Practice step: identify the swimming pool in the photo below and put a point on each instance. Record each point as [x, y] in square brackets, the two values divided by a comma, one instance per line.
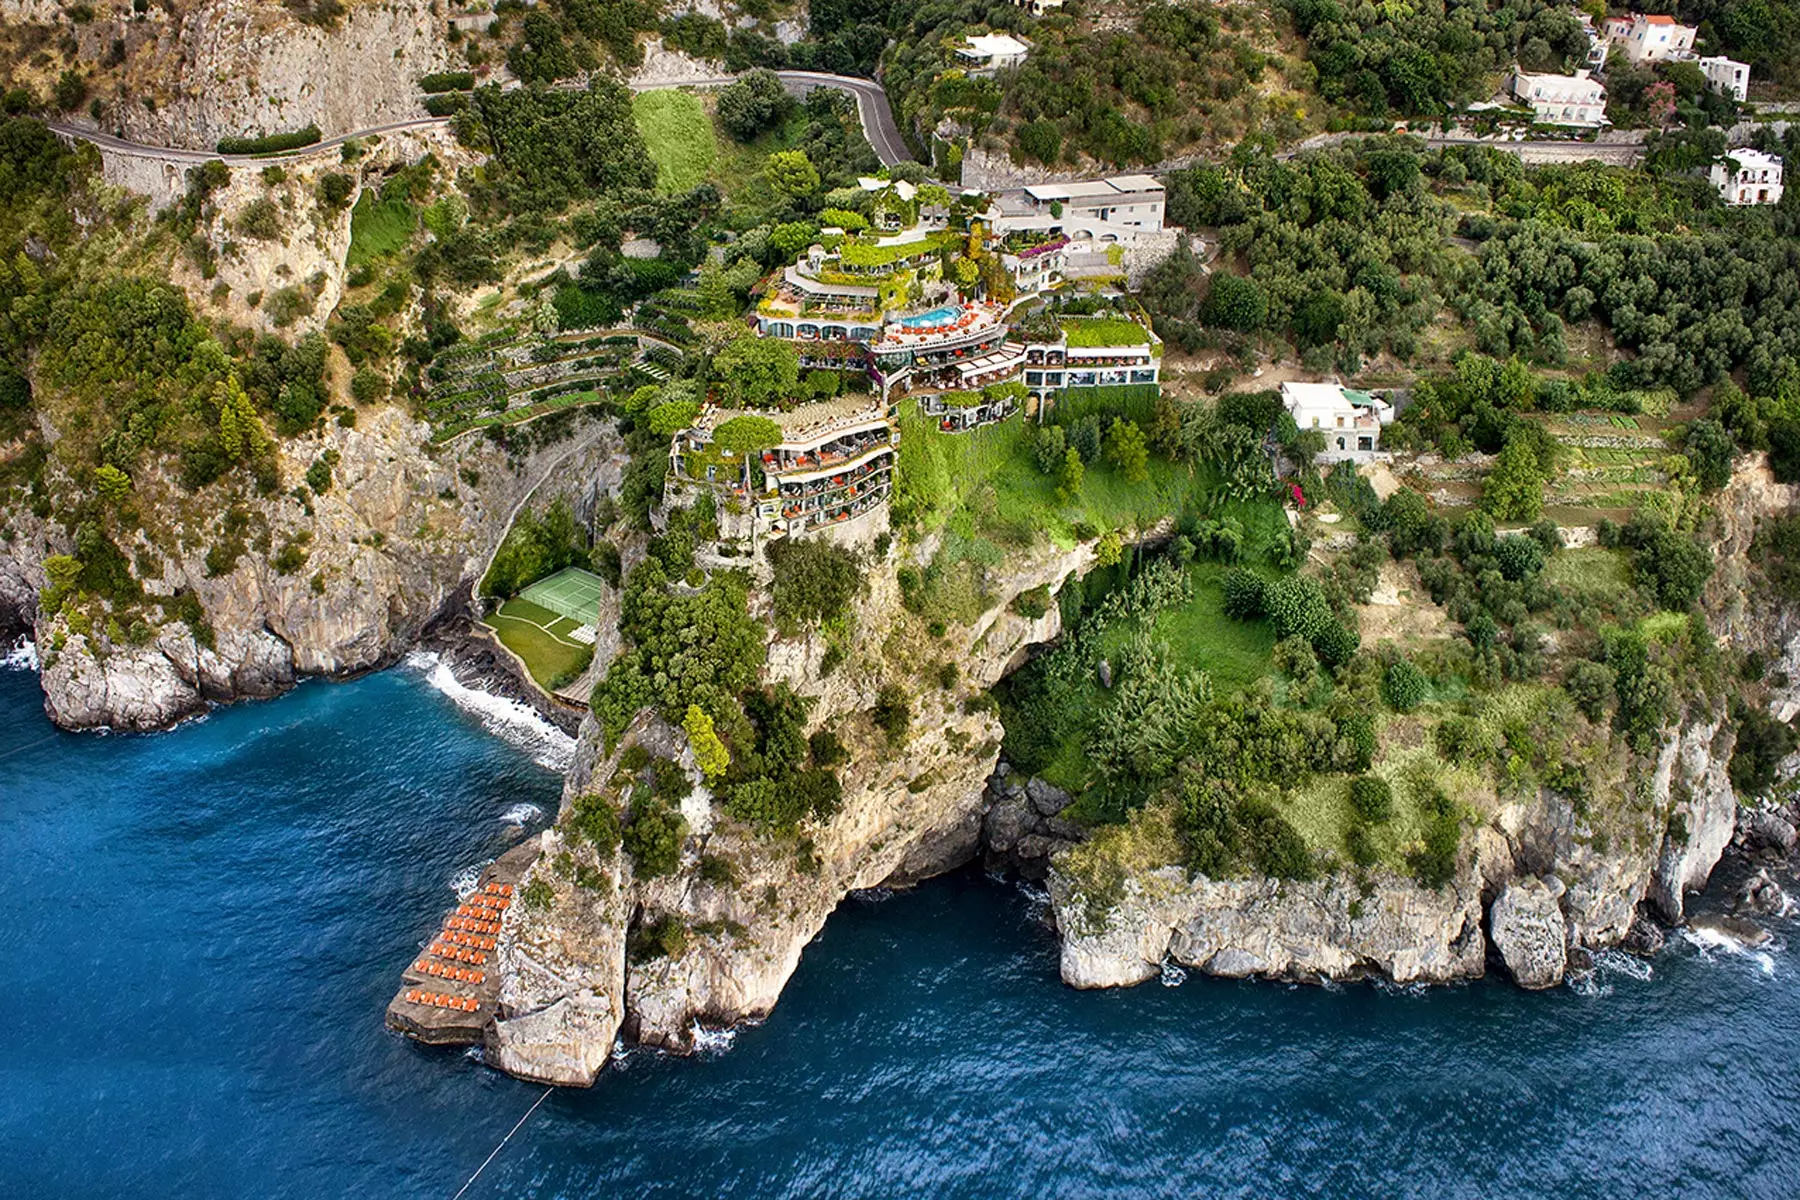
[937, 316]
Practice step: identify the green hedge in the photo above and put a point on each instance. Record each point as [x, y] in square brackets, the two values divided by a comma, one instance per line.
[273, 143]
[447, 81]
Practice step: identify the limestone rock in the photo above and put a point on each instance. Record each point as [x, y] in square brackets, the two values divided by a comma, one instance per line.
[136, 688]
[1768, 829]
[1306, 931]
[1529, 930]
[1703, 815]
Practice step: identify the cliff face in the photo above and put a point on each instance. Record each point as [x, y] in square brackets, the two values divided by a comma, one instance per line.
[908, 812]
[187, 73]
[402, 533]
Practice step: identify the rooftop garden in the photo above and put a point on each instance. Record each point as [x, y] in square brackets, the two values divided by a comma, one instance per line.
[1094, 332]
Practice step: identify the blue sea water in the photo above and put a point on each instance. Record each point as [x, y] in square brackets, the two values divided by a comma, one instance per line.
[202, 929]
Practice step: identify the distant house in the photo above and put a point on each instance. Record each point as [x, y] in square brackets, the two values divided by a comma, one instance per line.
[1350, 420]
[1576, 99]
[1039, 7]
[1748, 177]
[1652, 38]
[1727, 76]
[1124, 201]
[986, 53]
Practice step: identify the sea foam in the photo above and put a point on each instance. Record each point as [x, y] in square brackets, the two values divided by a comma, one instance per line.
[510, 720]
[22, 657]
[521, 815]
[1707, 939]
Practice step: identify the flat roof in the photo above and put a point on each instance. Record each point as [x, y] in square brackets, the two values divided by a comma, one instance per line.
[1135, 183]
[994, 45]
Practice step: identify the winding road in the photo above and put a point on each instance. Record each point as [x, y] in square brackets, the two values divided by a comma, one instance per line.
[872, 110]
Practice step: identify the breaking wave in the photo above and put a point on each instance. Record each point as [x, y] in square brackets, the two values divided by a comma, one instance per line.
[1173, 975]
[1709, 939]
[521, 815]
[23, 656]
[514, 722]
[465, 881]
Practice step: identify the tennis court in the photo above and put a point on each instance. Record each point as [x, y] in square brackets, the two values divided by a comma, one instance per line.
[571, 592]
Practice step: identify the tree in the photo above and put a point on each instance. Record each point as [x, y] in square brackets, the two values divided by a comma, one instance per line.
[1068, 483]
[653, 836]
[1710, 449]
[1514, 489]
[815, 581]
[1404, 686]
[1127, 450]
[673, 416]
[756, 101]
[1296, 607]
[710, 754]
[792, 174]
[112, 484]
[789, 238]
[1235, 303]
[759, 373]
[1673, 568]
[71, 90]
[747, 434]
[1049, 446]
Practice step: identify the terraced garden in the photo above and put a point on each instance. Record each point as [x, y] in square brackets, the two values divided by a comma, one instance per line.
[509, 377]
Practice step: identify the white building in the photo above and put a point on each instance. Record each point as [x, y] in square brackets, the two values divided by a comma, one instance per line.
[1039, 7]
[985, 53]
[1576, 99]
[1748, 177]
[1727, 76]
[1350, 420]
[1598, 45]
[1652, 38]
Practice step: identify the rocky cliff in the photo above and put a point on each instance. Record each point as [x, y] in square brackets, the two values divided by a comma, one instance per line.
[746, 905]
[336, 583]
[185, 73]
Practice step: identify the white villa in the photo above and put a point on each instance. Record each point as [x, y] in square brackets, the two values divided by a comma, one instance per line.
[1727, 76]
[1576, 99]
[1350, 420]
[1747, 177]
[1652, 38]
[1039, 7]
[985, 53]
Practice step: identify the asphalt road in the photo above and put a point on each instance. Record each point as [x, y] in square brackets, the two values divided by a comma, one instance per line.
[871, 108]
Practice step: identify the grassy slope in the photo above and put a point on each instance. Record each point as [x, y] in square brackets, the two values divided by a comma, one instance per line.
[679, 137]
[379, 227]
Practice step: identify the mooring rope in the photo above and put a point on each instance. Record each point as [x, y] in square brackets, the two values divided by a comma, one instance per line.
[490, 1158]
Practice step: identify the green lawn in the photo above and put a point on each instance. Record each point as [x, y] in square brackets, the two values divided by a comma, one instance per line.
[1590, 568]
[540, 637]
[1235, 653]
[379, 227]
[679, 137]
[992, 474]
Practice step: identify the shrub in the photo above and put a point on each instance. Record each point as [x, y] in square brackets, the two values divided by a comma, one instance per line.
[538, 894]
[596, 820]
[1360, 844]
[447, 81]
[1404, 686]
[892, 713]
[273, 143]
[653, 836]
[815, 581]
[710, 754]
[1372, 798]
[1762, 742]
[828, 750]
[1590, 686]
[1243, 594]
[1336, 644]
[1296, 607]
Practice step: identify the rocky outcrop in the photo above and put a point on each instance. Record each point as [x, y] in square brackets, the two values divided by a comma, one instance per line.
[1268, 929]
[562, 968]
[1527, 924]
[398, 539]
[1123, 907]
[1692, 773]
[1021, 825]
